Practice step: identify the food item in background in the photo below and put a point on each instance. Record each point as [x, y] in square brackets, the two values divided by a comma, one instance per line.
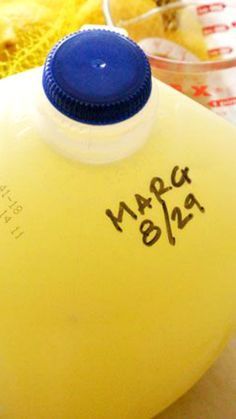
[29, 28]
[89, 12]
[177, 24]
[117, 281]
[18, 17]
[170, 18]
[8, 37]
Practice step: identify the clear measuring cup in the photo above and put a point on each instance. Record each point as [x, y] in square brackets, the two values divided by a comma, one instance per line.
[191, 45]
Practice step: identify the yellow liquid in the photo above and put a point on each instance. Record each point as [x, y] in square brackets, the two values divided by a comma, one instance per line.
[95, 324]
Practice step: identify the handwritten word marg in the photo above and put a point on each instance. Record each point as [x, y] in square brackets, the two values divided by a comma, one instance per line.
[159, 190]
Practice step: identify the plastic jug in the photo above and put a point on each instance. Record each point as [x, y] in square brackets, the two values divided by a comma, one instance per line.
[117, 220]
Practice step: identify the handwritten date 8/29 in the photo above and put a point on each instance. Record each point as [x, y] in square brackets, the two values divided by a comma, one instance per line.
[151, 232]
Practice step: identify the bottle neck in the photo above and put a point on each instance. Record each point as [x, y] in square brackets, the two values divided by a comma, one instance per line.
[90, 143]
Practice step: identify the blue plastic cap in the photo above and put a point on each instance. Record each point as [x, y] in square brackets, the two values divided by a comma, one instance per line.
[97, 77]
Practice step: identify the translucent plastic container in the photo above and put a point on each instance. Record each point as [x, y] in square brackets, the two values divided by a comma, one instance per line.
[117, 236]
[190, 44]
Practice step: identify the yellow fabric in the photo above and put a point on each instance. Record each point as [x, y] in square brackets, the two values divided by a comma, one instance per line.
[29, 28]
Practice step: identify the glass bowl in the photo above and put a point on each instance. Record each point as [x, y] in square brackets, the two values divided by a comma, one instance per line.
[191, 45]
